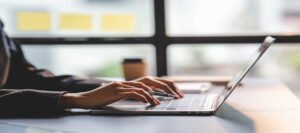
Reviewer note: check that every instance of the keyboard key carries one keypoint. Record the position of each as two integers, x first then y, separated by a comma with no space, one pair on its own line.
191,102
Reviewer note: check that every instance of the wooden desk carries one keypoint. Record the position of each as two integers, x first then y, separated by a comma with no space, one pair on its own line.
261,105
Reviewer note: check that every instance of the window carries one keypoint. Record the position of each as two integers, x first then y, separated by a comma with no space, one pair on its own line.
88,60
192,26
281,61
232,17
78,18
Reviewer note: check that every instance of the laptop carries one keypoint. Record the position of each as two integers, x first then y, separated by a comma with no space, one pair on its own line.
206,102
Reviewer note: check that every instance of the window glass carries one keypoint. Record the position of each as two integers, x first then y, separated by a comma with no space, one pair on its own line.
232,17
93,18
88,60
281,60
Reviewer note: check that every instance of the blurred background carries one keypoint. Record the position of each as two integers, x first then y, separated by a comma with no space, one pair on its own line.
135,18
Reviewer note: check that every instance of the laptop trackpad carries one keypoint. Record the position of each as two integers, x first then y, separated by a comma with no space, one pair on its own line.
127,105
193,87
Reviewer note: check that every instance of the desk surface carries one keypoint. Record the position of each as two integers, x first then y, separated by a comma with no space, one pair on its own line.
261,105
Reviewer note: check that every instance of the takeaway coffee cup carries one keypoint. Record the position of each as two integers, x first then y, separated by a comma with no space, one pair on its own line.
134,68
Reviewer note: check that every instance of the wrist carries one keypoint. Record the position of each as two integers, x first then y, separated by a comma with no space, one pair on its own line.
69,100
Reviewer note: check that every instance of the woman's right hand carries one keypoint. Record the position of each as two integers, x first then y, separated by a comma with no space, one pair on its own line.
108,94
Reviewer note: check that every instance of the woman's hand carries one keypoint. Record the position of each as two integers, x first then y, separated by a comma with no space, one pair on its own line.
161,85
116,91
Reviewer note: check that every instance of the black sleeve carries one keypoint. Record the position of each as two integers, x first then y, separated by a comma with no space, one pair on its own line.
23,74
44,88
28,102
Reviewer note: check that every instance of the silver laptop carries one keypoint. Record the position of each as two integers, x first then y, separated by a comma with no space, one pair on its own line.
198,103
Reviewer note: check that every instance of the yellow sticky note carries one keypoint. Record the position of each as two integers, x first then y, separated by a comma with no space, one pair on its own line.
33,21
117,23
70,21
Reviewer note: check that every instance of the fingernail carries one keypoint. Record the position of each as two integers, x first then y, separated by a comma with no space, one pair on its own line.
157,103
180,94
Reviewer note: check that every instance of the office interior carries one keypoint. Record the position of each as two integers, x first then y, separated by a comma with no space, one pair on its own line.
92,37
175,37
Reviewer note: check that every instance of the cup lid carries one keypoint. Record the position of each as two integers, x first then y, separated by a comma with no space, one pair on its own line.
133,60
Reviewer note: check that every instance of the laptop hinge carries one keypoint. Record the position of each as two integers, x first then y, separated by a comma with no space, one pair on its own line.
215,103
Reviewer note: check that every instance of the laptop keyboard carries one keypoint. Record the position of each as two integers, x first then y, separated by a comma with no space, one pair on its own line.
189,102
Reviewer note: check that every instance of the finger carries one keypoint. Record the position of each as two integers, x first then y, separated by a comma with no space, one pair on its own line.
120,84
158,89
134,95
140,90
150,98
172,85
138,84
159,84
133,85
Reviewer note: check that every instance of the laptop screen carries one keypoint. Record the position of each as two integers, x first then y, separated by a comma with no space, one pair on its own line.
231,85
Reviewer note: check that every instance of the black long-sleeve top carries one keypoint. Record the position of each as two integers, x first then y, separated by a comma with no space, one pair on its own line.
24,89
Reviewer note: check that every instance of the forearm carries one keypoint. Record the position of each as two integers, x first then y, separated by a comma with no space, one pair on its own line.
16,102
22,74
42,80
77,100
